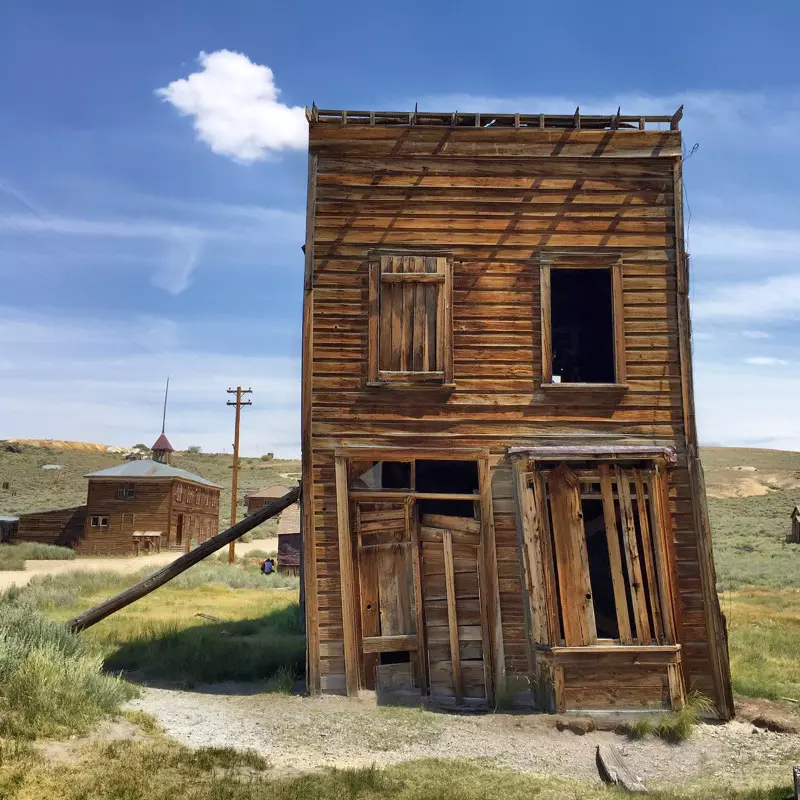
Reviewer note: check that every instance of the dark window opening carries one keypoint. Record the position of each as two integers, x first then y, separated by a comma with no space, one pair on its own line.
605,610
582,326
397,657
381,475
448,477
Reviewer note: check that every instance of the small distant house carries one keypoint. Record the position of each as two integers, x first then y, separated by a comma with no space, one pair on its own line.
257,500
137,507
794,535
289,553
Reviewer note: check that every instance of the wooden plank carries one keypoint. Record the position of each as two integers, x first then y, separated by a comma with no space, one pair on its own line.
675,687
548,557
613,769
389,644
492,625
618,315
420,322
530,533
614,556
635,580
346,581
647,551
572,560
452,617
463,524
661,559
547,340
385,303
445,331
413,528
393,591
374,322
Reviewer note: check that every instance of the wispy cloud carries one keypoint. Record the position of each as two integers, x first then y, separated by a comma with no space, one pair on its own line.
774,298
102,380
235,107
754,334
744,242
765,361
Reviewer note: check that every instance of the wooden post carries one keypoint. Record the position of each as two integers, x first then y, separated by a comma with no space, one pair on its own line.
238,391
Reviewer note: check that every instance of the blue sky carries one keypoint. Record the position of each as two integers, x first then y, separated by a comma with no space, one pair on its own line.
146,233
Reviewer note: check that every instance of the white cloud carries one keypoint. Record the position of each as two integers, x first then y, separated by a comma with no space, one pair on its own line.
736,411
765,361
773,298
103,380
745,242
234,103
754,334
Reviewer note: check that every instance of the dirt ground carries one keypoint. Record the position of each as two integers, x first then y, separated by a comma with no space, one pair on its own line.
124,564
300,734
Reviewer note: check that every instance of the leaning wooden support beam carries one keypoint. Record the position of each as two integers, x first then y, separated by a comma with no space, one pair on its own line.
139,590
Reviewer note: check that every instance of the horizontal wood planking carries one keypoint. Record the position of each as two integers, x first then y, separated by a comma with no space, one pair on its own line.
494,198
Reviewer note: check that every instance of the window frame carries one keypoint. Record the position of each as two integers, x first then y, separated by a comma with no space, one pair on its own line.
126,491
99,521
611,262
442,378
178,492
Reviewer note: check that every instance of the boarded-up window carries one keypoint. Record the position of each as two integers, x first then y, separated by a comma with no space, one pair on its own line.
410,319
606,527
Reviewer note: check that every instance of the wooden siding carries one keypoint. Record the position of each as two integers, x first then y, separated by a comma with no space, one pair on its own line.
153,507
64,526
199,506
496,199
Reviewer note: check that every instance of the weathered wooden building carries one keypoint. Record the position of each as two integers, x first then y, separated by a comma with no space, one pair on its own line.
259,498
136,507
501,479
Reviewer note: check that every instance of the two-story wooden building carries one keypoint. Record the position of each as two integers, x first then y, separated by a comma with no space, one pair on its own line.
161,505
501,484
140,506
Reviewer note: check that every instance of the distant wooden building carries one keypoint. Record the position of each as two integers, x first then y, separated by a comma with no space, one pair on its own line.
137,507
260,498
289,553
794,534
501,481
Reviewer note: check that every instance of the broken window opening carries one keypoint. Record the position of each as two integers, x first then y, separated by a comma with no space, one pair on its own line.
377,475
582,326
448,477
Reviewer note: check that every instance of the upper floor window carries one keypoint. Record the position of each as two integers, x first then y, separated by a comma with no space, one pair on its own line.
126,491
178,492
583,339
410,319
99,521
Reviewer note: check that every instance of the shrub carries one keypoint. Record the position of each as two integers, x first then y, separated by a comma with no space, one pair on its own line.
678,725
194,449
267,456
51,680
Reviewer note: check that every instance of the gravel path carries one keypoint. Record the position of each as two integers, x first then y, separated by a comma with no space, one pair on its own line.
125,564
299,734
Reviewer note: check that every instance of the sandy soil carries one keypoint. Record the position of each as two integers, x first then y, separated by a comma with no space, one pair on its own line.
115,564
298,734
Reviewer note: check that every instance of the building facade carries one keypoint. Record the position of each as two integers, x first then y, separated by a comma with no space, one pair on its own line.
501,485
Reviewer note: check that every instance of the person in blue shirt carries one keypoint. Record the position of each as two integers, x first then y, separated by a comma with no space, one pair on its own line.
268,566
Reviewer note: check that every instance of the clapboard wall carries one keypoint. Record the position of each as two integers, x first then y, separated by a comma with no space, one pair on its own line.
498,199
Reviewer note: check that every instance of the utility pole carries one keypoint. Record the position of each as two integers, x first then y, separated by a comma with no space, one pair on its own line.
238,391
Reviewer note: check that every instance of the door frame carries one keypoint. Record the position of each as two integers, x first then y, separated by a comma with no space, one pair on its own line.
347,578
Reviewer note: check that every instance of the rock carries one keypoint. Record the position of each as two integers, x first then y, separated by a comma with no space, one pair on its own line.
578,725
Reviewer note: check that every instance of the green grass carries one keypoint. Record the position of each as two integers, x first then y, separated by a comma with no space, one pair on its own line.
160,637
162,770
14,556
51,681
764,642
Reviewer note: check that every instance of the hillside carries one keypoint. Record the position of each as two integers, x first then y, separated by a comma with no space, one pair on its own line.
32,488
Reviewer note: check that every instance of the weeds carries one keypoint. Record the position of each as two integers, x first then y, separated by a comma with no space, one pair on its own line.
51,681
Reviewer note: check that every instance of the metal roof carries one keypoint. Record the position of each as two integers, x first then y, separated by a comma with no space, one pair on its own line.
147,468
275,490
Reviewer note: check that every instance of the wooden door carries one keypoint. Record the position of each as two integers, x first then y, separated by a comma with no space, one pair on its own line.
179,531
386,575
455,620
